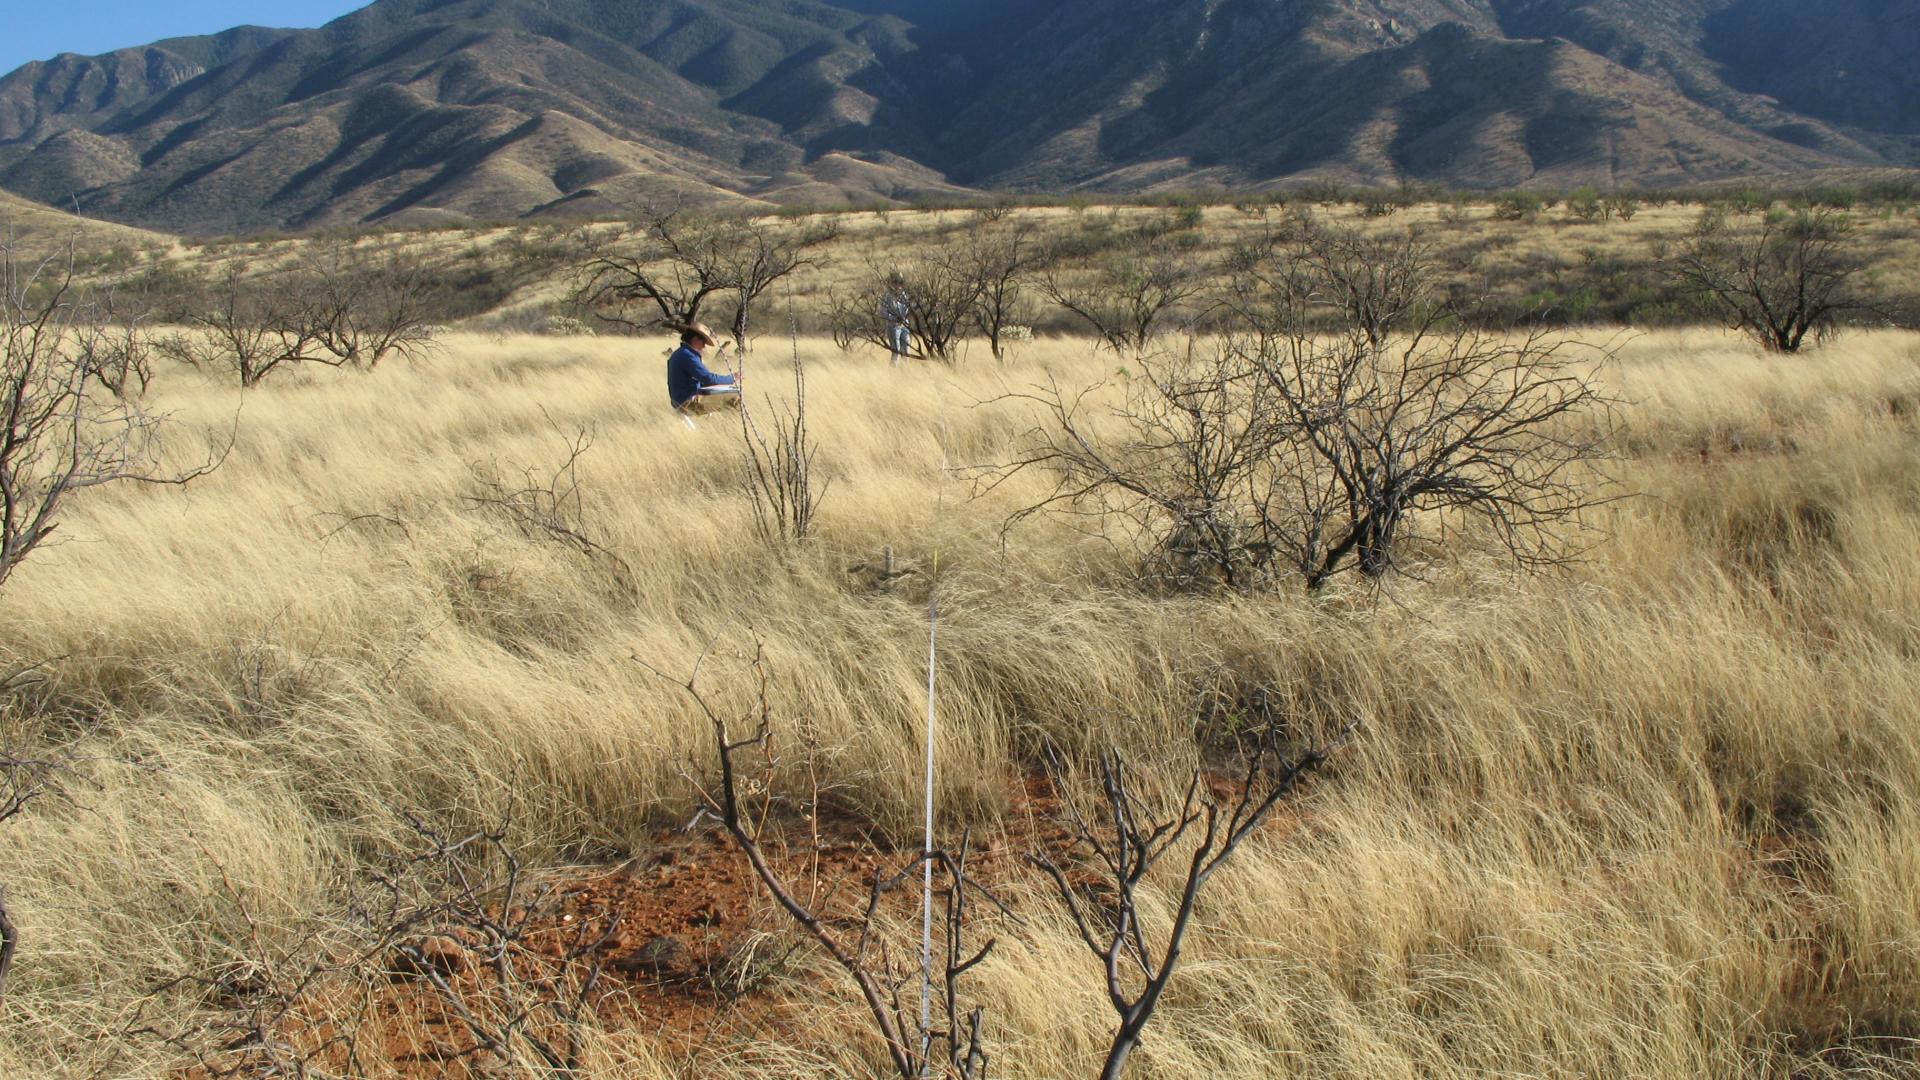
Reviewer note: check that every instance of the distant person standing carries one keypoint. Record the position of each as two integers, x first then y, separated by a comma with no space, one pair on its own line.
691,387
895,309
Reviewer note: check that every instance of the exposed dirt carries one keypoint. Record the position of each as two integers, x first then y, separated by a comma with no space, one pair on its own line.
684,947
681,944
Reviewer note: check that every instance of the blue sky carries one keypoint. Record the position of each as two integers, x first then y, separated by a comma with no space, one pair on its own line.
40,29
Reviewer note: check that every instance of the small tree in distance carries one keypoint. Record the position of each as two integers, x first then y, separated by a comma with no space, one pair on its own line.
1792,275
664,259
674,263
117,349
758,255
1129,294
942,286
364,305
1001,259
251,327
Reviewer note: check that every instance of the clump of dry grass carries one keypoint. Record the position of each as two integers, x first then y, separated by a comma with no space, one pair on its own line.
1651,816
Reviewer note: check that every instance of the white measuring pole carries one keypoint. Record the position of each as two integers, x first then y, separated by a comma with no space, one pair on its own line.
926,849
926,864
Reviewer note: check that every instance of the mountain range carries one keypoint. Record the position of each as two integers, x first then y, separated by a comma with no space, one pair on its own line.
419,111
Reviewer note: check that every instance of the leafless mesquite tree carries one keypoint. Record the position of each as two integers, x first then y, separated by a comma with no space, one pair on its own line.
1306,271
338,305
1001,259
1128,295
1127,838
761,254
1184,463
1382,444
57,435
252,325
1398,416
1790,275
1345,416
942,288
952,1044
364,305
118,345
674,262
663,259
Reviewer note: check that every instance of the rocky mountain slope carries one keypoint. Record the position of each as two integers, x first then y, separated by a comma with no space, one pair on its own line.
419,110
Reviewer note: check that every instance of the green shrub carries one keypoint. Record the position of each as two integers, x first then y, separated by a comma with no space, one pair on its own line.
1517,206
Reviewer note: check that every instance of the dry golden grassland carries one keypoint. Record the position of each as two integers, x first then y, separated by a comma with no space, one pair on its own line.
1655,816
32,228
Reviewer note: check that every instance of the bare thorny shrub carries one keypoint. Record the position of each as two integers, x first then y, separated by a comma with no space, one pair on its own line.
365,304
778,467
1003,260
1129,295
338,305
759,255
1116,849
548,505
444,925
1102,873
249,326
942,1036
1185,478
118,347
980,280
942,284
1345,417
58,434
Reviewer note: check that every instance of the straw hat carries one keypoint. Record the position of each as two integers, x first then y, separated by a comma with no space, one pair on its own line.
701,329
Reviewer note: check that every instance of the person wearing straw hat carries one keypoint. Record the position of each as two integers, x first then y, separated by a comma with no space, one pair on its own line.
691,387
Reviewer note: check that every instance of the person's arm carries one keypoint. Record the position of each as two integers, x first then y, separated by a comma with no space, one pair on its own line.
710,378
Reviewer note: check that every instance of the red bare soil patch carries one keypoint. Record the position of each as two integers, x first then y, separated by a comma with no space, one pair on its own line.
682,946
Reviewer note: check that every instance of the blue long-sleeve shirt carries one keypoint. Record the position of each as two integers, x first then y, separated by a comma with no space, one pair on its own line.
687,376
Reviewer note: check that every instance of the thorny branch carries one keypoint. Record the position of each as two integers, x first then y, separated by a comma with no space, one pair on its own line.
861,951
57,438
779,470
1131,835
550,507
